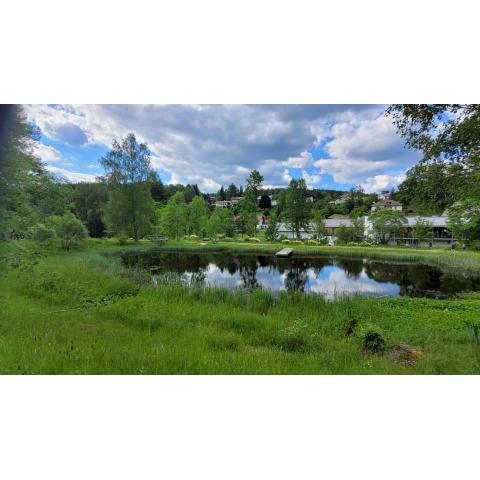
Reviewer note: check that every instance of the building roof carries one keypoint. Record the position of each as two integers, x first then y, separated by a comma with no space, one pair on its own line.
338,216
338,222
387,203
435,221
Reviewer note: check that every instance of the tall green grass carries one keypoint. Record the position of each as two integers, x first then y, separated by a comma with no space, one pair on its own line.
83,312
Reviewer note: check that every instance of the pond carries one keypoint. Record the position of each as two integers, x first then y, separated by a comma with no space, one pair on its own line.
327,276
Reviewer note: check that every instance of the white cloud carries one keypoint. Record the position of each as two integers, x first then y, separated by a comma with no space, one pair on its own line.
93,166
302,161
219,144
382,182
361,149
312,180
47,153
74,177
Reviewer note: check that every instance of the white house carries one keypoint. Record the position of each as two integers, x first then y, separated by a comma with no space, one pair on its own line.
387,204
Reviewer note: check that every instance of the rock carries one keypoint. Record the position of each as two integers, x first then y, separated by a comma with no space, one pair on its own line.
405,354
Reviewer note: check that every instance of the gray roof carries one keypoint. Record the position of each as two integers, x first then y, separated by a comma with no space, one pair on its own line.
436,221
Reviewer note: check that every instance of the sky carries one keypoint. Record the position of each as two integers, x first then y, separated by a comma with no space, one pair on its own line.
330,146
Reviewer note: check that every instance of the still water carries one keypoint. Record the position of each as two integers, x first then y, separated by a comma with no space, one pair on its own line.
328,276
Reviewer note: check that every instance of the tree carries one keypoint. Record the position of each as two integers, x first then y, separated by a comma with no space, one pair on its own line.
89,200
386,221
422,229
20,171
265,202
464,219
70,230
221,194
157,189
247,207
129,174
440,131
449,138
297,211
319,220
345,234
221,222
197,217
271,232
231,191
174,216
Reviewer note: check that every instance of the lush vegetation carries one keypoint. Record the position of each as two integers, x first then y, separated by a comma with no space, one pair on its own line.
67,308
83,312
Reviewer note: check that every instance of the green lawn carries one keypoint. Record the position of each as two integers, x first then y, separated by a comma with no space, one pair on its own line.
83,312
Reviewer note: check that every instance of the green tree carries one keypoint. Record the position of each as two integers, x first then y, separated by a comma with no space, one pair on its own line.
221,222
247,207
174,216
422,229
441,131
129,174
232,191
297,211
70,230
20,171
464,219
197,217
89,200
271,232
265,202
386,222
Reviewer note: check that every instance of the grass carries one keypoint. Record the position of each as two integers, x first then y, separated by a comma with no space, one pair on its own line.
83,312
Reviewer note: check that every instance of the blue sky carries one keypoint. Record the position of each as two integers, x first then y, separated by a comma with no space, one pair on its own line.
331,146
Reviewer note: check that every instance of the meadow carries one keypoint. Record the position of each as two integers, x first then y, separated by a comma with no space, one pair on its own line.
83,312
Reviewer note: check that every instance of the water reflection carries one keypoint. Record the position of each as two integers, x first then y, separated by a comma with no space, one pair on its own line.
322,275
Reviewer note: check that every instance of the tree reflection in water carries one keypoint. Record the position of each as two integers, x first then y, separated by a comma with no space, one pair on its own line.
305,274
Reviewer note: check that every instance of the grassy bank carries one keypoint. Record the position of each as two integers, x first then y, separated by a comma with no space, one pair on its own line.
83,312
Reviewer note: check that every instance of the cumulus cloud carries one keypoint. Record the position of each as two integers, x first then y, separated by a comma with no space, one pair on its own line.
74,177
361,149
47,153
213,145
382,182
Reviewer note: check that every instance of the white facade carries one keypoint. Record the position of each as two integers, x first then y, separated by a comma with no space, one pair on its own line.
437,222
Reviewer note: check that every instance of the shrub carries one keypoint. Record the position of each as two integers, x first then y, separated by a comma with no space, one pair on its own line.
372,338
42,234
297,242
312,241
122,239
252,239
475,245
286,240
193,237
70,230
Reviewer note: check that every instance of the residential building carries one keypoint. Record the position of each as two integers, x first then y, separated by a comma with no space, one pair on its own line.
345,197
387,204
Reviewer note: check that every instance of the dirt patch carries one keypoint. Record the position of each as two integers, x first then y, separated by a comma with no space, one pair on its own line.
404,354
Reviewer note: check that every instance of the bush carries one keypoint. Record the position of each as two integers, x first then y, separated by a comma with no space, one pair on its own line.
286,240
70,230
297,242
252,239
122,239
193,237
372,338
42,234
475,245
312,241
